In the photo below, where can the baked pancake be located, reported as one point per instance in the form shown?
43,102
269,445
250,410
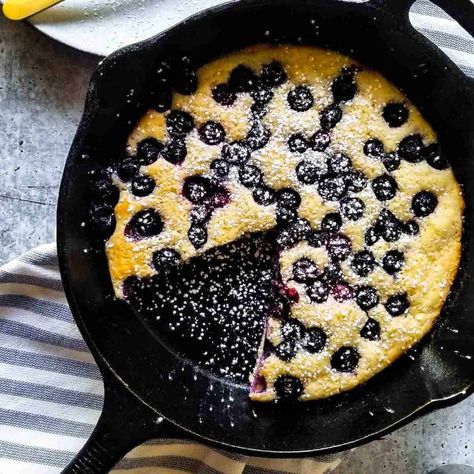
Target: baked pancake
334,167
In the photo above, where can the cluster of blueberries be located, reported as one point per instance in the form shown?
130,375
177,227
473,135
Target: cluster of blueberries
333,177
203,191
206,192
410,148
177,75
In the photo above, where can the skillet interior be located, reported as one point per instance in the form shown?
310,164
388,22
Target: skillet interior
443,365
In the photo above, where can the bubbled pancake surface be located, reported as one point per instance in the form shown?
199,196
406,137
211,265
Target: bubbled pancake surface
431,257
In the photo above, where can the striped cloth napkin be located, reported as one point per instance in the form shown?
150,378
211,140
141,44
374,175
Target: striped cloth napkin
50,388
51,391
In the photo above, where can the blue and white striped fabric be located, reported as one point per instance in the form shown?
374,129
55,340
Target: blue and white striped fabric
51,391
437,26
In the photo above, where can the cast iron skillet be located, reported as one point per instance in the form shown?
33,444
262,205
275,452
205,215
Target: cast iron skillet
142,400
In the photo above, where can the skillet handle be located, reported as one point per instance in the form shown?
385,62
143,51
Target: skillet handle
124,424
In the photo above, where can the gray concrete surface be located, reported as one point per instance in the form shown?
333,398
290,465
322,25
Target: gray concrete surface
42,88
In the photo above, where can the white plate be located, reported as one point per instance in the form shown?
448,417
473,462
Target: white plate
102,26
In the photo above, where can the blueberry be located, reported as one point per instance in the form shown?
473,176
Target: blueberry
374,148
175,151
384,187
223,94
338,246
332,272
411,148
148,151
317,238
288,198
352,208
355,181
166,259
200,214
288,388
366,297
344,87
340,292
128,169
105,191
332,187
309,171
236,153
258,136
320,140
264,195
160,99
286,350
424,203
391,161
397,304
197,235
331,222
197,189
297,143
434,158
393,261
388,226
220,168
345,359
143,224
102,220
292,331
211,133
411,228
273,74
302,227
371,330
184,79
314,340
300,98
371,236
179,123
285,215
293,233
261,95
219,198
330,116
363,263
286,238
395,114
304,270
339,163
142,185
242,79
317,291
250,176
258,111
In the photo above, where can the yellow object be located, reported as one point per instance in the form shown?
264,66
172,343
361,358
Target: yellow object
21,9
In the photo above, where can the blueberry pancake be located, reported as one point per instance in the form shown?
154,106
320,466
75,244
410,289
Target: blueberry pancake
338,171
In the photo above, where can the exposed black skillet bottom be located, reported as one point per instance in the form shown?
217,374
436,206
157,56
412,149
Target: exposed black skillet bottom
213,308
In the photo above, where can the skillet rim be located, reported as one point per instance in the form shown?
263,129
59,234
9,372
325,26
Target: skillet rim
103,363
